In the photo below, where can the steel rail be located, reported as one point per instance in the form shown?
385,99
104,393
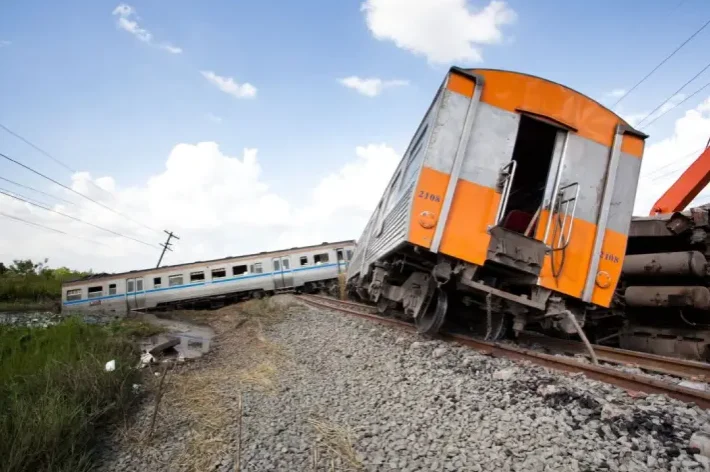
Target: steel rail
652,362
625,380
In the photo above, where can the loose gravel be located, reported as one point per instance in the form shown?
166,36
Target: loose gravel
339,393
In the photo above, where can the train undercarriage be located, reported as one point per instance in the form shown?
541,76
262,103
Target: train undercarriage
661,305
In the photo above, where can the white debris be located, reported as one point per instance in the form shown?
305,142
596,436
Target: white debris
701,441
547,390
110,366
505,374
438,352
694,385
612,412
146,358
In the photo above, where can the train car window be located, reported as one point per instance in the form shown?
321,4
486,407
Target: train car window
339,254
95,292
157,282
304,261
277,266
197,277
139,285
239,270
256,268
349,254
320,258
112,289
286,264
130,286
174,280
219,273
74,294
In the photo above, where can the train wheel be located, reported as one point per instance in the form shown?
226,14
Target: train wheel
432,319
492,324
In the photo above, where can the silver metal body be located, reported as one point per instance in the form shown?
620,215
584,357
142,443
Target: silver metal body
266,272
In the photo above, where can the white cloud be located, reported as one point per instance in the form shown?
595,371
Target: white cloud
128,21
229,86
170,48
442,30
616,93
642,120
218,204
4,42
665,160
370,87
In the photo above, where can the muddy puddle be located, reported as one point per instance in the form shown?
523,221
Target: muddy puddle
192,340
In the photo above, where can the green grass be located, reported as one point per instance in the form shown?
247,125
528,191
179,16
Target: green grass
55,394
29,306
30,288
134,328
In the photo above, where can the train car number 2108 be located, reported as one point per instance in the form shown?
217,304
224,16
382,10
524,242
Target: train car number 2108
429,196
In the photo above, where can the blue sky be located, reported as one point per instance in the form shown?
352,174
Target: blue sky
105,102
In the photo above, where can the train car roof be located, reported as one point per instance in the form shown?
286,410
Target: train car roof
478,74
210,261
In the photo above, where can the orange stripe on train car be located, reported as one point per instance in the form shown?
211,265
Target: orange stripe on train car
571,268
426,208
516,92
466,234
632,145
609,271
460,84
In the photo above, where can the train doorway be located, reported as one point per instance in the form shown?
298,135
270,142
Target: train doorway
135,294
534,163
282,275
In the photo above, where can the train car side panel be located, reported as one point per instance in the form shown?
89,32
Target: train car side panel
491,146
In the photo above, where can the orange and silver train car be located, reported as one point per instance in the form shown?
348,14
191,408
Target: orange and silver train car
511,207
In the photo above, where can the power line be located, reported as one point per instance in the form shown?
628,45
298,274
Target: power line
661,63
677,104
34,146
78,193
676,161
3,192
35,190
48,228
67,167
707,66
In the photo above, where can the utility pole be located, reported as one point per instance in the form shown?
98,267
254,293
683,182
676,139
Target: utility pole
166,246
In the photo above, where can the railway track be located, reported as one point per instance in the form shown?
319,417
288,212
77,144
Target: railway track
629,381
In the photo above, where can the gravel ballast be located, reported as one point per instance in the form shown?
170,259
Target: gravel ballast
342,393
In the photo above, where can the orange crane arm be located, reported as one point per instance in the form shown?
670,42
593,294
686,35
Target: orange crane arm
686,188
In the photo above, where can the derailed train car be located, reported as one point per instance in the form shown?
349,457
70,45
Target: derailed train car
511,207
212,282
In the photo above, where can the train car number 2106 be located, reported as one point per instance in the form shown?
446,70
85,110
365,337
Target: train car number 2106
429,196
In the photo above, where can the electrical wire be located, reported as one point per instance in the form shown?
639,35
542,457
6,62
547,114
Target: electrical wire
48,228
4,192
38,191
78,193
682,45
654,171
638,124
677,104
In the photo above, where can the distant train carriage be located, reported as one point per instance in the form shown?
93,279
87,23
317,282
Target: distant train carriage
511,206
217,281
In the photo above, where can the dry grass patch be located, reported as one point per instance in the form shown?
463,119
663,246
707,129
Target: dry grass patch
334,447
202,398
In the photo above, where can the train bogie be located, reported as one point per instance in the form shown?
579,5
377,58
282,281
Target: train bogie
210,282
511,205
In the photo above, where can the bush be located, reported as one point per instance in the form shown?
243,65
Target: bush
55,393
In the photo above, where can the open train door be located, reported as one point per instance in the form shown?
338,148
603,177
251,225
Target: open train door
135,295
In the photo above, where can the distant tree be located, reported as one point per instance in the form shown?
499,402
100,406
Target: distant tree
22,267
3,269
